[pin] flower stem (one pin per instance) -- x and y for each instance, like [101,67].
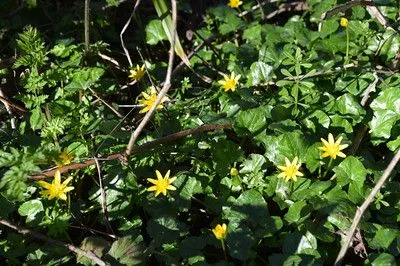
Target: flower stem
[224,250]
[328,168]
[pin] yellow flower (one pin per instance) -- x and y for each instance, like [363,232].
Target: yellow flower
[56,189]
[234,171]
[149,100]
[161,184]
[332,148]
[229,83]
[220,231]
[344,22]
[291,170]
[138,73]
[234,3]
[63,158]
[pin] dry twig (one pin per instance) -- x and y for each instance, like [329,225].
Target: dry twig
[164,90]
[121,35]
[145,147]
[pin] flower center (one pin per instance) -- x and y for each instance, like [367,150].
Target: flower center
[291,171]
[230,84]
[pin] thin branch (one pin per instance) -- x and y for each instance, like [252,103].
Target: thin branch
[5,101]
[103,197]
[136,150]
[105,103]
[86,25]
[8,109]
[121,35]
[360,211]
[24,231]
[164,90]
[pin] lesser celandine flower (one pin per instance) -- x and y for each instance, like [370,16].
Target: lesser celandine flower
[220,231]
[290,170]
[149,100]
[234,3]
[56,189]
[137,73]
[344,22]
[161,184]
[229,83]
[332,148]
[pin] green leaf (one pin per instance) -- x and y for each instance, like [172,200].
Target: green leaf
[250,206]
[298,212]
[224,154]
[290,145]
[296,243]
[84,78]
[382,259]
[240,241]
[37,118]
[128,251]
[386,109]
[348,105]
[259,72]
[192,246]
[351,170]
[163,13]
[312,157]
[155,32]
[252,119]
[31,209]
[384,237]
[6,207]
[165,229]
[253,164]
[316,119]
[328,27]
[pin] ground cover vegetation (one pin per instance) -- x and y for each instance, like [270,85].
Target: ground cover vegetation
[207,132]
